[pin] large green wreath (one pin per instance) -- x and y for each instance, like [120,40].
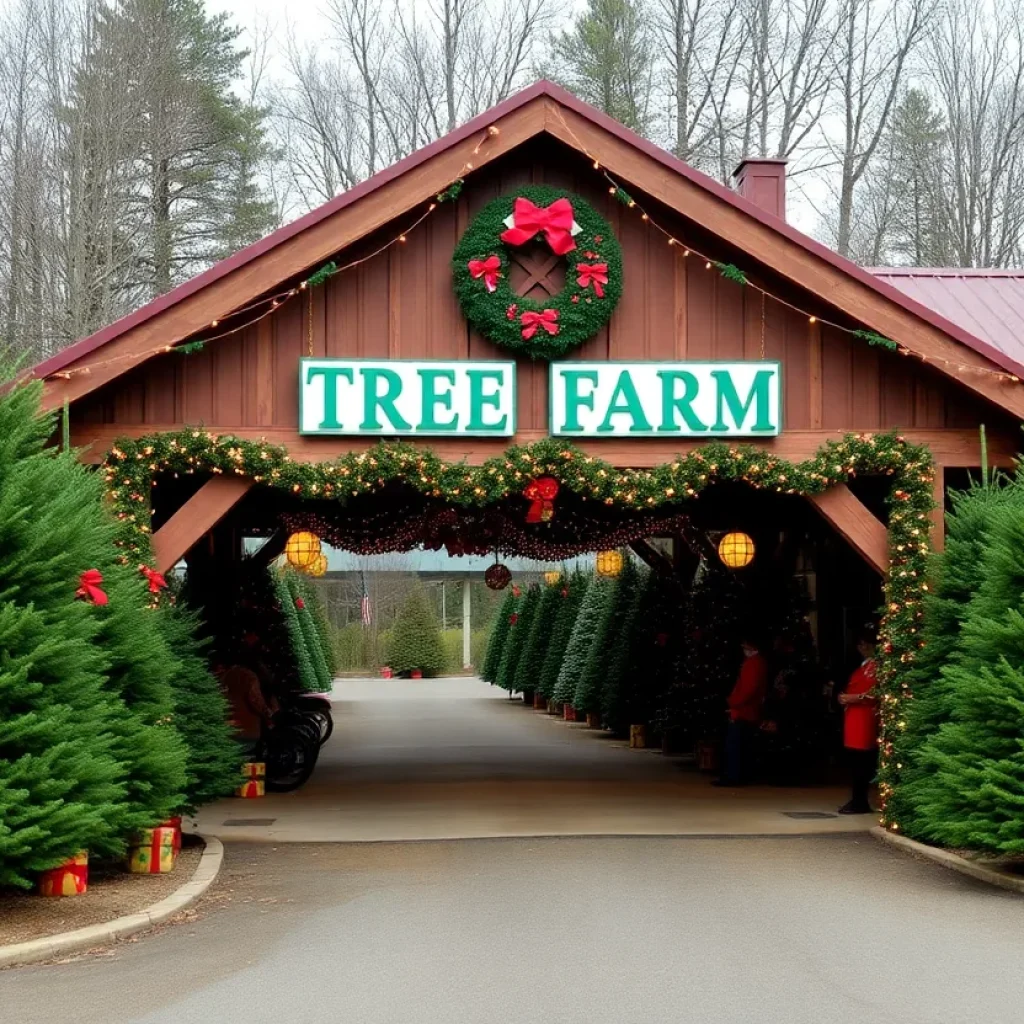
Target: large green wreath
[548,329]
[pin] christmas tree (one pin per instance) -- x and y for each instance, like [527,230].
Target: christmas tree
[305,671]
[588,696]
[531,663]
[572,595]
[624,651]
[310,594]
[518,634]
[967,789]
[581,640]
[310,633]
[416,637]
[201,714]
[499,634]
[61,783]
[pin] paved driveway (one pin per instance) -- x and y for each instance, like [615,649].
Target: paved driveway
[824,930]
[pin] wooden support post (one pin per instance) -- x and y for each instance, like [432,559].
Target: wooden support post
[856,523]
[198,515]
[939,512]
[653,557]
[273,547]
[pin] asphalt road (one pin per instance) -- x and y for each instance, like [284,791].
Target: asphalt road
[822,930]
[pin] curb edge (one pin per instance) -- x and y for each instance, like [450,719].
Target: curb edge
[50,946]
[950,860]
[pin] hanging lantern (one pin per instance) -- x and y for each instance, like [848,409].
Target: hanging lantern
[552,576]
[609,563]
[497,577]
[318,566]
[736,550]
[302,549]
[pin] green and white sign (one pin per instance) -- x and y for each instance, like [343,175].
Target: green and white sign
[691,399]
[417,398]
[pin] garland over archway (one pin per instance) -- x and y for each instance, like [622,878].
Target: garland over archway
[133,466]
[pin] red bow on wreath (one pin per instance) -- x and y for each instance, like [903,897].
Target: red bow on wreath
[89,587]
[595,274]
[542,493]
[489,269]
[555,221]
[546,318]
[156,580]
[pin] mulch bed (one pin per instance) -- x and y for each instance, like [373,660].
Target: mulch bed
[112,893]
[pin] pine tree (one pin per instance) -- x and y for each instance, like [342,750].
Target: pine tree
[61,785]
[518,635]
[531,663]
[568,608]
[967,789]
[201,714]
[587,695]
[416,637]
[305,671]
[310,633]
[623,650]
[499,634]
[314,602]
[583,631]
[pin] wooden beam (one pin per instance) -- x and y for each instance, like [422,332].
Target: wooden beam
[196,517]
[856,523]
[292,257]
[949,447]
[798,264]
[273,547]
[653,557]
[939,512]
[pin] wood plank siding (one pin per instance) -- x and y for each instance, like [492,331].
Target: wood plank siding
[401,305]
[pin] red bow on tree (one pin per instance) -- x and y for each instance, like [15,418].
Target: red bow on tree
[515,591]
[595,274]
[513,619]
[555,221]
[541,492]
[156,580]
[489,269]
[299,603]
[89,587]
[546,318]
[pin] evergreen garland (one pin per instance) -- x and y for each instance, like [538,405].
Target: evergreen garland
[581,312]
[518,634]
[531,663]
[132,466]
[499,634]
[571,597]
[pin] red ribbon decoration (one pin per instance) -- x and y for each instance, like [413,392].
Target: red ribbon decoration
[299,603]
[513,619]
[489,269]
[89,587]
[555,221]
[546,318]
[156,580]
[541,492]
[595,274]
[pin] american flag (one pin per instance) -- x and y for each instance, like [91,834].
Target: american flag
[364,605]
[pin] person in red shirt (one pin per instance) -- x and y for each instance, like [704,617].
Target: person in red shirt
[745,703]
[860,726]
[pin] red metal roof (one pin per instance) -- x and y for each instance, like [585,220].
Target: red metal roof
[986,303]
[881,284]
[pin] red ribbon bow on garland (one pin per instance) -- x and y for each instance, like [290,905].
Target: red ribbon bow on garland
[595,274]
[555,221]
[546,318]
[156,580]
[489,269]
[541,492]
[89,587]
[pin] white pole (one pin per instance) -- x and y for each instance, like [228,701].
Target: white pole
[466,651]
[444,608]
